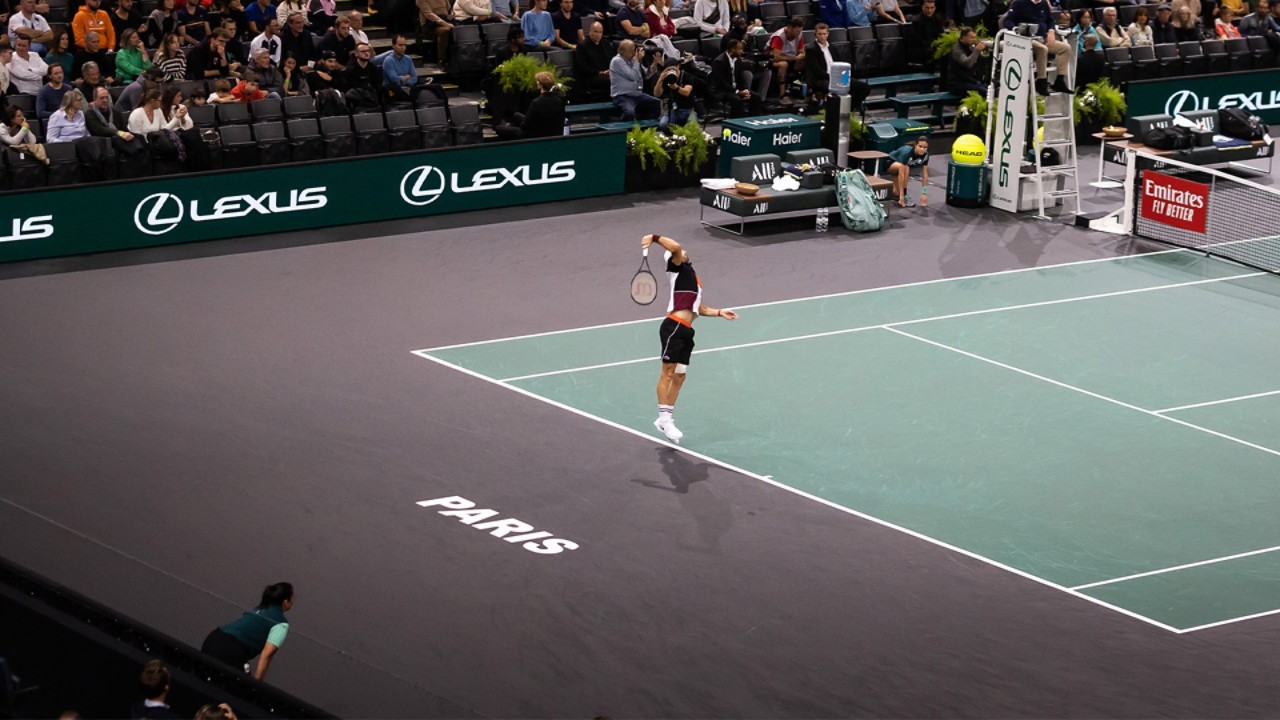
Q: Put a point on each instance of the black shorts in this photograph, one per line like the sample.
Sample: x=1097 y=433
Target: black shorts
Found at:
x=677 y=342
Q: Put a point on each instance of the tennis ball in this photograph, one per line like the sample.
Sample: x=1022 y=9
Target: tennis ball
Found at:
x=969 y=150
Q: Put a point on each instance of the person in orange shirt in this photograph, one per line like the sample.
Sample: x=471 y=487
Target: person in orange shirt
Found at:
x=92 y=18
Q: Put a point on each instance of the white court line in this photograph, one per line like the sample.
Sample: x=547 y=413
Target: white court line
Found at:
x=1175 y=568
x=602 y=326
x=846 y=331
x=1218 y=402
x=1228 y=621
x=424 y=354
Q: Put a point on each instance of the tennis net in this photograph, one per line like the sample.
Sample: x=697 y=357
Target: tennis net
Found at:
x=1190 y=206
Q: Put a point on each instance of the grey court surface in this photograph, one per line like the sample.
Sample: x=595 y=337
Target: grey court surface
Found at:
x=184 y=425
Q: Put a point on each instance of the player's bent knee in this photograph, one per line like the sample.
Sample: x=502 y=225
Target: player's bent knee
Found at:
x=680 y=370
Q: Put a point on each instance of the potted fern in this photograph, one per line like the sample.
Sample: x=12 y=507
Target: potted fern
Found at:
x=647 y=160
x=690 y=150
x=971 y=118
x=1096 y=106
x=514 y=81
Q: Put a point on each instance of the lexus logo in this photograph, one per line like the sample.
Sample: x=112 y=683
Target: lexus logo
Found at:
x=153 y=215
x=1013 y=75
x=1180 y=101
x=422 y=185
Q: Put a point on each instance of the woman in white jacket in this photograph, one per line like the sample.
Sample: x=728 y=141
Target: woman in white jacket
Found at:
x=150 y=118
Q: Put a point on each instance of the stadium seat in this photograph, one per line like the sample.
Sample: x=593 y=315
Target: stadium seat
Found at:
x=97 y=159
x=371 y=134
x=563 y=60
x=1215 y=52
x=238 y=148
x=64 y=164
x=305 y=143
x=1263 y=55
x=25 y=103
x=1193 y=60
x=37 y=127
x=339 y=141
x=1169 y=60
x=801 y=9
x=890 y=45
x=273 y=145
x=402 y=130
x=1145 y=65
x=24 y=171
x=837 y=34
x=465 y=119
x=266 y=110
x=204 y=116
x=433 y=123
x=773 y=14
x=298 y=106
x=467 y=52
x=1240 y=54
x=1119 y=65
x=233 y=114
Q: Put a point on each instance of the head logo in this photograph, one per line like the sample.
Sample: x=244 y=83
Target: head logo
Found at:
x=422 y=185
x=1181 y=101
x=1013 y=75
x=154 y=216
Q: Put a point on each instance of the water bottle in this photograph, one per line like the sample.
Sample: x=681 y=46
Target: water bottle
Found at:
x=566 y=126
x=821 y=224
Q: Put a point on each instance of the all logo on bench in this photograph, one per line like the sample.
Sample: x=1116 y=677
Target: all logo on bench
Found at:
x=763 y=171
x=760 y=208
x=721 y=202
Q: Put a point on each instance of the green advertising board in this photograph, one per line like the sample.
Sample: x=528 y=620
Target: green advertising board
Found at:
x=773 y=134
x=189 y=208
x=1257 y=91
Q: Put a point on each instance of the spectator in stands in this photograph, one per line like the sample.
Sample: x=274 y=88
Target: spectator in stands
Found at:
x=1162 y=26
x=100 y=122
x=324 y=15
x=93 y=53
x=6 y=82
x=1044 y=43
x=632 y=24
x=432 y=15
x=712 y=16
x=296 y=41
x=339 y=41
x=208 y=60
x=888 y=11
x=293 y=81
x=591 y=65
x=256 y=14
x=539 y=30
x=545 y=117
x=162 y=21
x=221 y=93
x=136 y=90
x=817 y=71
x=962 y=69
x=132 y=59
x=730 y=82
x=1110 y=34
x=625 y=80
x=356 y=18
x=60 y=53
x=193 y=22
x=171 y=60
x=286 y=8
x=1063 y=27
x=90 y=79
x=399 y=76
x=270 y=79
x=221 y=711
x=237 y=52
x=471 y=11
x=92 y=18
x=1139 y=31
x=1084 y=28
x=1091 y=65
x=507 y=11
x=67 y=123
x=1261 y=23
x=786 y=49
x=658 y=16
x=197 y=154
x=26 y=68
x=248 y=90
x=327 y=75
x=50 y=95
x=515 y=45
x=1224 y=27
x=1186 y=27
x=155 y=683
x=925 y=28
x=124 y=16
x=233 y=16
x=363 y=80
x=1237 y=7
x=260 y=632
x=26 y=23
x=568 y=26
x=16 y=133
x=268 y=40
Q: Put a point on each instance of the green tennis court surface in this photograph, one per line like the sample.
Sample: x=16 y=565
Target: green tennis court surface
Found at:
x=1107 y=428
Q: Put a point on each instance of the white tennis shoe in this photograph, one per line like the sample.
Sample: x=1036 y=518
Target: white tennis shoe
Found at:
x=668 y=428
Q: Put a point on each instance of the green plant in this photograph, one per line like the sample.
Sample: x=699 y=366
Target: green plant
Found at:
x=517 y=74
x=973 y=106
x=647 y=145
x=944 y=43
x=692 y=147
x=1099 y=102
x=857 y=130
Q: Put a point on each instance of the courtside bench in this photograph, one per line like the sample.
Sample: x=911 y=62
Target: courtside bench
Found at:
x=935 y=100
x=600 y=111
x=1207 y=155
x=890 y=85
x=627 y=124
x=769 y=203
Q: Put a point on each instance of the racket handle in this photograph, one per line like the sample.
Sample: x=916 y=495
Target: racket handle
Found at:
x=644 y=252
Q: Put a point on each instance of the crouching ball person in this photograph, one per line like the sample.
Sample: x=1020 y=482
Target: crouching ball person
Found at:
x=901 y=162
x=257 y=633
x=676 y=332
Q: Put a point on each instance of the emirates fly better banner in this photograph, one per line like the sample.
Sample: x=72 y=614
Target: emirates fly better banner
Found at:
x=1174 y=201
x=176 y=209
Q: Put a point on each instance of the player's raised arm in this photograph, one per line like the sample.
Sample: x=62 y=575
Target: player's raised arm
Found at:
x=667 y=244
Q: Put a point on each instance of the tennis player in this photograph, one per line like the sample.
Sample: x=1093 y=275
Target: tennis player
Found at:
x=676 y=332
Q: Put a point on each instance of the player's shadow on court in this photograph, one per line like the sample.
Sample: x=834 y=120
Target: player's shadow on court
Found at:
x=680 y=471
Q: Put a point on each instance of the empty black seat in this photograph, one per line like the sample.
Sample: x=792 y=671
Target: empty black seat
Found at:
x=238 y=148
x=1119 y=65
x=402 y=131
x=1263 y=55
x=1215 y=51
x=266 y=109
x=1193 y=60
x=339 y=141
x=64 y=164
x=273 y=144
x=1239 y=53
x=433 y=123
x=204 y=116
x=25 y=172
x=298 y=106
x=371 y=134
x=233 y=114
x=1169 y=60
x=305 y=143
x=1145 y=65
x=466 y=124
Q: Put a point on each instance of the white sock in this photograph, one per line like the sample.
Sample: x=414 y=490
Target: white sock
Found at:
x=665 y=412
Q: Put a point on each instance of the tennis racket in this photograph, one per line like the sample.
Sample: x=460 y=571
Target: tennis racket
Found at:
x=644 y=286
